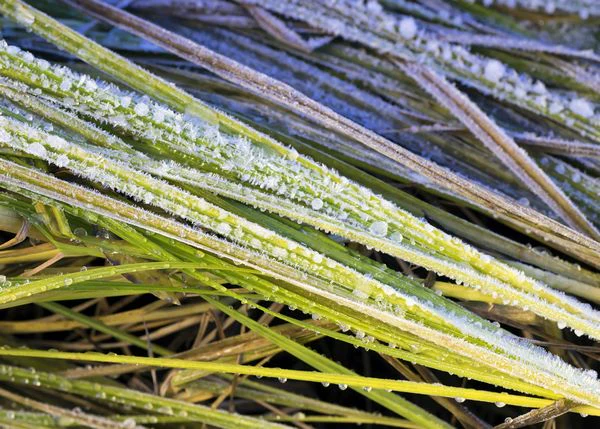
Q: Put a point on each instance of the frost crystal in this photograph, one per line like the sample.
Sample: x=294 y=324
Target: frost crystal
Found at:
x=4 y=136
x=494 y=71
x=408 y=28
x=397 y=237
x=37 y=149
x=581 y=107
x=65 y=85
x=125 y=101
x=223 y=228
x=141 y=109
x=379 y=228
x=316 y=204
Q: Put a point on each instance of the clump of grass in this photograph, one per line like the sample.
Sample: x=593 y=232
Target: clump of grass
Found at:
x=224 y=219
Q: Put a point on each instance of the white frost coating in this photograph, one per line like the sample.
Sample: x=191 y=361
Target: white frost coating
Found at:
x=379 y=228
x=4 y=136
x=582 y=7
x=125 y=101
x=65 y=85
x=37 y=149
x=514 y=346
x=408 y=28
x=297 y=181
x=316 y=204
x=62 y=161
x=494 y=71
x=223 y=228
x=141 y=109
x=13 y=50
x=581 y=107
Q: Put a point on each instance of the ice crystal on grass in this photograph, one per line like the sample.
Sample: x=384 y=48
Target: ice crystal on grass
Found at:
x=351 y=210
x=294 y=179
x=584 y=8
x=408 y=28
x=494 y=70
x=581 y=107
x=488 y=75
x=112 y=174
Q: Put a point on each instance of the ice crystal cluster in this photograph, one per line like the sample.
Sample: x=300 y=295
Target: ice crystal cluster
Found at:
x=583 y=8
x=211 y=202
x=313 y=190
x=231 y=165
x=375 y=28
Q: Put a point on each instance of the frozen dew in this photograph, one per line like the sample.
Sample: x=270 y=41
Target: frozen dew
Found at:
x=316 y=204
x=159 y=114
x=37 y=149
x=581 y=107
x=13 y=50
x=555 y=108
x=379 y=228
x=125 y=101
x=91 y=85
x=561 y=324
x=165 y=410
x=408 y=28
x=520 y=92
x=539 y=88
x=62 y=160
x=494 y=71
x=4 y=136
x=397 y=237
x=374 y=7
x=65 y=85
x=560 y=169
x=223 y=228
x=141 y=109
